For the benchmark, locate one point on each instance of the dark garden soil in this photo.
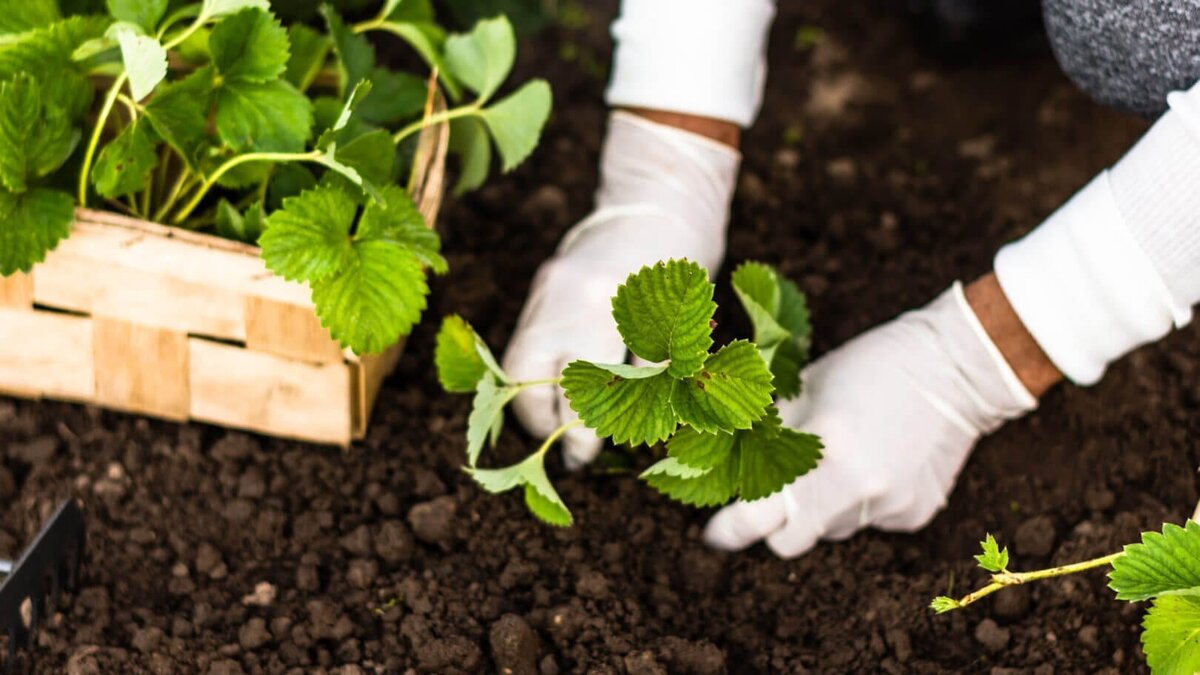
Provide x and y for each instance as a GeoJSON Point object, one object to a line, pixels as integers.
{"type": "Point", "coordinates": [877, 175]}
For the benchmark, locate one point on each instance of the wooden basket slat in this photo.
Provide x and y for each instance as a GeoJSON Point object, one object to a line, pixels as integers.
{"type": "Point", "coordinates": [141, 369]}
{"type": "Point", "coordinates": [288, 330]}
{"type": "Point", "coordinates": [16, 291]}
{"type": "Point", "coordinates": [46, 354]}
{"type": "Point", "coordinates": [236, 387]}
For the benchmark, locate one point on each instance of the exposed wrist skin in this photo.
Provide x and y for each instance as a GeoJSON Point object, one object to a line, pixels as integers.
{"type": "Point", "coordinates": [1016, 344]}
{"type": "Point", "coordinates": [720, 131]}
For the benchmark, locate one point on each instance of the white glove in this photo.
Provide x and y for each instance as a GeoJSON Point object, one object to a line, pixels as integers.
{"type": "Point", "coordinates": [898, 409]}
{"type": "Point", "coordinates": [664, 193]}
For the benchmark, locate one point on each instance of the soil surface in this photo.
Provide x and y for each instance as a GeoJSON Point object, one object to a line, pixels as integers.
{"type": "Point", "coordinates": [876, 176]}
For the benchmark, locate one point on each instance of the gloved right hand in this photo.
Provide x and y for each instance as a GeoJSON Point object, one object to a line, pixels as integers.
{"type": "Point", "coordinates": [664, 193]}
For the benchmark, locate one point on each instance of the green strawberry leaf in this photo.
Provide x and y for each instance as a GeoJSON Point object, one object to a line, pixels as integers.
{"type": "Point", "coordinates": [309, 49]}
{"type": "Point", "coordinates": [288, 180]}
{"type": "Point", "coordinates": [665, 313]}
{"type": "Point", "coordinates": [371, 304]}
{"type": "Point", "coordinates": [368, 282]}
{"type": "Point", "coordinates": [307, 239]}
{"type": "Point", "coordinates": [1163, 564]}
{"type": "Point", "coordinates": [408, 10]}
{"type": "Point", "coordinates": [19, 16]}
{"type": "Point", "coordinates": [179, 113]}
{"type": "Point", "coordinates": [732, 391]}
{"type": "Point", "coordinates": [215, 8]}
{"type": "Point", "coordinates": [469, 140]}
{"type": "Point", "coordinates": [356, 56]}
{"type": "Point", "coordinates": [487, 414]}
{"type": "Point", "coordinates": [394, 98]}
{"type": "Point", "coordinates": [263, 117]}
{"type": "Point", "coordinates": [396, 218]}
{"type": "Point", "coordinates": [45, 56]}
{"type": "Point", "coordinates": [31, 225]}
{"type": "Point", "coordinates": [483, 58]}
{"type": "Point", "coordinates": [778, 312]}
{"type": "Point", "coordinates": [634, 411]}
{"type": "Point", "coordinates": [750, 464]}
{"type": "Point", "coordinates": [551, 511]}
{"type": "Point", "coordinates": [145, 59]}
{"type": "Point", "coordinates": [251, 46]}
{"type": "Point", "coordinates": [345, 115]}
{"type": "Point", "coordinates": [239, 227]}
{"type": "Point", "coordinates": [427, 39]}
{"type": "Point", "coordinates": [702, 451]}
{"type": "Point", "coordinates": [757, 286]}
{"type": "Point", "coordinates": [943, 603]}
{"type": "Point", "coordinates": [462, 357]}
{"type": "Point", "coordinates": [372, 155]}
{"type": "Point", "coordinates": [531, 473]}
{"type": "Point", "coordinates": [691, 486]}
{"type": "Point", "coordinates": [1171, 635]}
{"type": "Point", "coordinates": [772, 456]}
{"type": "Point", "coordinates": [36, 138]}
{"type": "Point", "coordinates": [125, 164]}
{"type": "Point", "coordinates": [144, 13]}
{"type": "Point", "coordinates": [516, 122]}
{"type": "Point", "coordinates": [993, 558]}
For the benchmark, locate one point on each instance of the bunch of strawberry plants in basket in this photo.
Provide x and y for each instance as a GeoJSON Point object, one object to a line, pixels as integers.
{"type": "Point", "coordinates": [1164, 569]}
{"type": "Point", "coordinates": [713, 410]}
{"type": "Point", "coordinates": [215, 116]}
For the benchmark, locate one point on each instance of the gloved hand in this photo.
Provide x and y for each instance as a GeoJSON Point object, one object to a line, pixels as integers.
{"type": "Point", "coordinates": [664, 193]}
{"type": "Point", "coordinates": [898, 409]}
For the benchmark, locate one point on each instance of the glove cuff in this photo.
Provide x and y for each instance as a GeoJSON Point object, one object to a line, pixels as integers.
{"type": "Point", "coordinates": [700, 57]}
{"type": "Point", "coordinates": [664, 193]}
{"type": "Point", "coordinates": [983, 392]}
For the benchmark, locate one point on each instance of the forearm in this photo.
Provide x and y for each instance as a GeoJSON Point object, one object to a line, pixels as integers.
{"type": "Point", "coordinates": [721, 131]}
{"type": "Point", "coordinates": [1033, 368]}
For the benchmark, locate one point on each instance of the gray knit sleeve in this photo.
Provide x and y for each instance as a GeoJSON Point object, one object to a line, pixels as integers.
{"type": "Point", "coordinates": [1127, 53]}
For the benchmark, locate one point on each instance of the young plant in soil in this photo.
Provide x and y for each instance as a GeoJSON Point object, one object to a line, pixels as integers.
{"type": "Point", "coordinates": [1163, 569]}
{"type": "Point", "coordinates": [714, 410]}
{"type": "Point", "coordinates": [215, 116]}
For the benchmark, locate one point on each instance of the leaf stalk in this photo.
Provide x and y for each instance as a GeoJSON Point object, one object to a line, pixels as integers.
{"type": "Point", "coordinates": [1002, 580]}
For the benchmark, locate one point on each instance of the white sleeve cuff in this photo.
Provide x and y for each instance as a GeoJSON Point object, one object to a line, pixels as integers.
{"type": "Point", "coordinates": [1084, 287]}
{"type": "Point", "coordinates": [700, 57]}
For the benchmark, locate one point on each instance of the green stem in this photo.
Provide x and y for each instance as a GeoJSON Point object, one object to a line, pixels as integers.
{"type": "Point", "coordinates": [536, 383]}
{"type": "Point", "coordinates": [1003, 580]}
{"type": "Point", "coordinates": [234, 163]}
{"type": "Point", "coordinates": [426, 50]}
{"type": "Point", "coordinates": [552, 438]}
{"type": "Point", "coordinates": [90, 156]}
{"type": "Point", "coordinates": [181, 182]}
{"type": "Point", "coordinates": [438, 118]}
{"type": "Point", "coordinates": [201, 19]}
{"type": "Point", "coordinates": [131, 107]}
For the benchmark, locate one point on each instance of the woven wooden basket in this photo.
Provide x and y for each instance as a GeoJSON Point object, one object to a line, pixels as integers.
{"type": "Point", "coordinates": [165, 322]}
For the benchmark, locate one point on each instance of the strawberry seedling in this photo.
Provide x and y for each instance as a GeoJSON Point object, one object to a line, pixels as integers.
{"type": "Point", "coordinates": [1163, 569]}
{"type": "Point", "coordinates": [714, 410]}
{"type": "Point", "coordinates": [215, 116]}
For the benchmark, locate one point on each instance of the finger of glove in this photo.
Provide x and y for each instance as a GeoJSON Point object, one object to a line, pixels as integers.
{"type": "Point", "coordinates": [741, 524]}
{"type": "Point", "coordinates": [580, 447]}
{"type": "Point", "coordinates": [536, 407]}
{"type": "Point", "coordinates": [927, 498]}
{"type": "Point", "coordinates": [580, 444]}
{"type": "Point", "coordinates": [826, 504]}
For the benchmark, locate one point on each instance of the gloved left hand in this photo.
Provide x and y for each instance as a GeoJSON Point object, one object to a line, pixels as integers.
{"type": "Point", "coordinates": [898, 409]}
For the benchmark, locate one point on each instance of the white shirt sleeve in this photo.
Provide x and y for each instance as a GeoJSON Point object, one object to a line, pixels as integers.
{"type": "Point", "coordinates": [700, 57]}
{"type": "Point", "coordinates": [1119, 264]}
